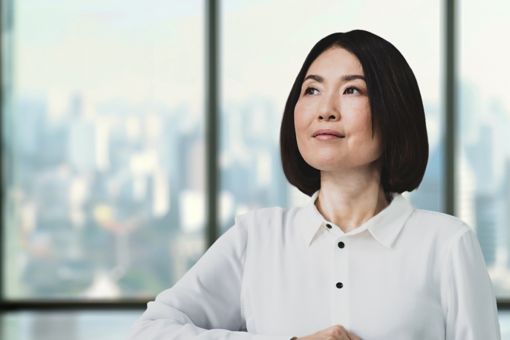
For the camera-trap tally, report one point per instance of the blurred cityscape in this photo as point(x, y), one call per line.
point(108, 201)
point(106, 198)
point(483, 179)
point(102, 205)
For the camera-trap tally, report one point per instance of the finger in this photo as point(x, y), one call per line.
point(341, 333)
point(346, 335)
point(353, 336)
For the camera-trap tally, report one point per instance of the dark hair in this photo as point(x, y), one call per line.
point(396, 106)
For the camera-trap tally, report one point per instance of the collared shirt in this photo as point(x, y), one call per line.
point(404, 274)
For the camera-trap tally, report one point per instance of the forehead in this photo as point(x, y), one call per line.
point(334, 62)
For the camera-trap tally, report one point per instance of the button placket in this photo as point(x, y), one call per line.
point(340, 286)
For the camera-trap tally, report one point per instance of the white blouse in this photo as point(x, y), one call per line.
point(277, 273)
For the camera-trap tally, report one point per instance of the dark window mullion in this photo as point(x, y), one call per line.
point(450, 96)
point(212, 117)
point(6, 18)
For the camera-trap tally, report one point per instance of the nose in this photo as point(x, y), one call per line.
point(329, 108)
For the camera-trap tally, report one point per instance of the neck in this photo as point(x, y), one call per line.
point(349, 198)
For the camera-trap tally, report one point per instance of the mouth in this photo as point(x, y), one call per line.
point(327, 134)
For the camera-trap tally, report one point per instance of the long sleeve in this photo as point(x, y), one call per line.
point(471, 310)
point(205, 303)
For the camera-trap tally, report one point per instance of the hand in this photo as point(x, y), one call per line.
point(336, 332)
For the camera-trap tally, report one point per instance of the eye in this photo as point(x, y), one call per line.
point(351, 89)
point(309, 90)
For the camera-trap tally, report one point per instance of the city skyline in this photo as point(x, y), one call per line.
point(120, 117)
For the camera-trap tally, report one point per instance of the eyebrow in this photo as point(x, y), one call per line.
point(347, 77)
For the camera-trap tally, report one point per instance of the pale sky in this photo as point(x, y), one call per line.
point(154, 50)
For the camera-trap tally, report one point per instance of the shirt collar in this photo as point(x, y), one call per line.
point(384, 227)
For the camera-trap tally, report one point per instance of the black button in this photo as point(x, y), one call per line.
point(329, 226)
point(341, 244)
point(339, 285)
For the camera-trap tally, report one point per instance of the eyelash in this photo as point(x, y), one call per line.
point(313, 88)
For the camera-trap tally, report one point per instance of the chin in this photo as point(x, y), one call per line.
point(330, 165)
point(326, 165)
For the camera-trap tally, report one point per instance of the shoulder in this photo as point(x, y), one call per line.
point(265, 230)
point(438, 225)
point(437, 235)
point(265, 212)
point(261, 218)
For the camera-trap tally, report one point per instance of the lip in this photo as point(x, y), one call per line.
point(323, 133)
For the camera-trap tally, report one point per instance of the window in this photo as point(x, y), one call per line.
point(103, 130)
point(483, 154)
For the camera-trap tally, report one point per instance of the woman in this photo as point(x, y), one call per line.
point(358, 261)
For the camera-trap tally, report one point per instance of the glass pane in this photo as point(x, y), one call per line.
point(483, 157)
point(103, 146)
point(70, 325)
point(259, 66)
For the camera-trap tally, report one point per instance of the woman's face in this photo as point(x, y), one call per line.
point(334, 97)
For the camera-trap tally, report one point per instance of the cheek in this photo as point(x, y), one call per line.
point(362, 118)
point(361, 128)
point(299, 117)
point(371, 139)
point(300, 127)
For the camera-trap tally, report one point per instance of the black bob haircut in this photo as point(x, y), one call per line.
point(397, 111)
